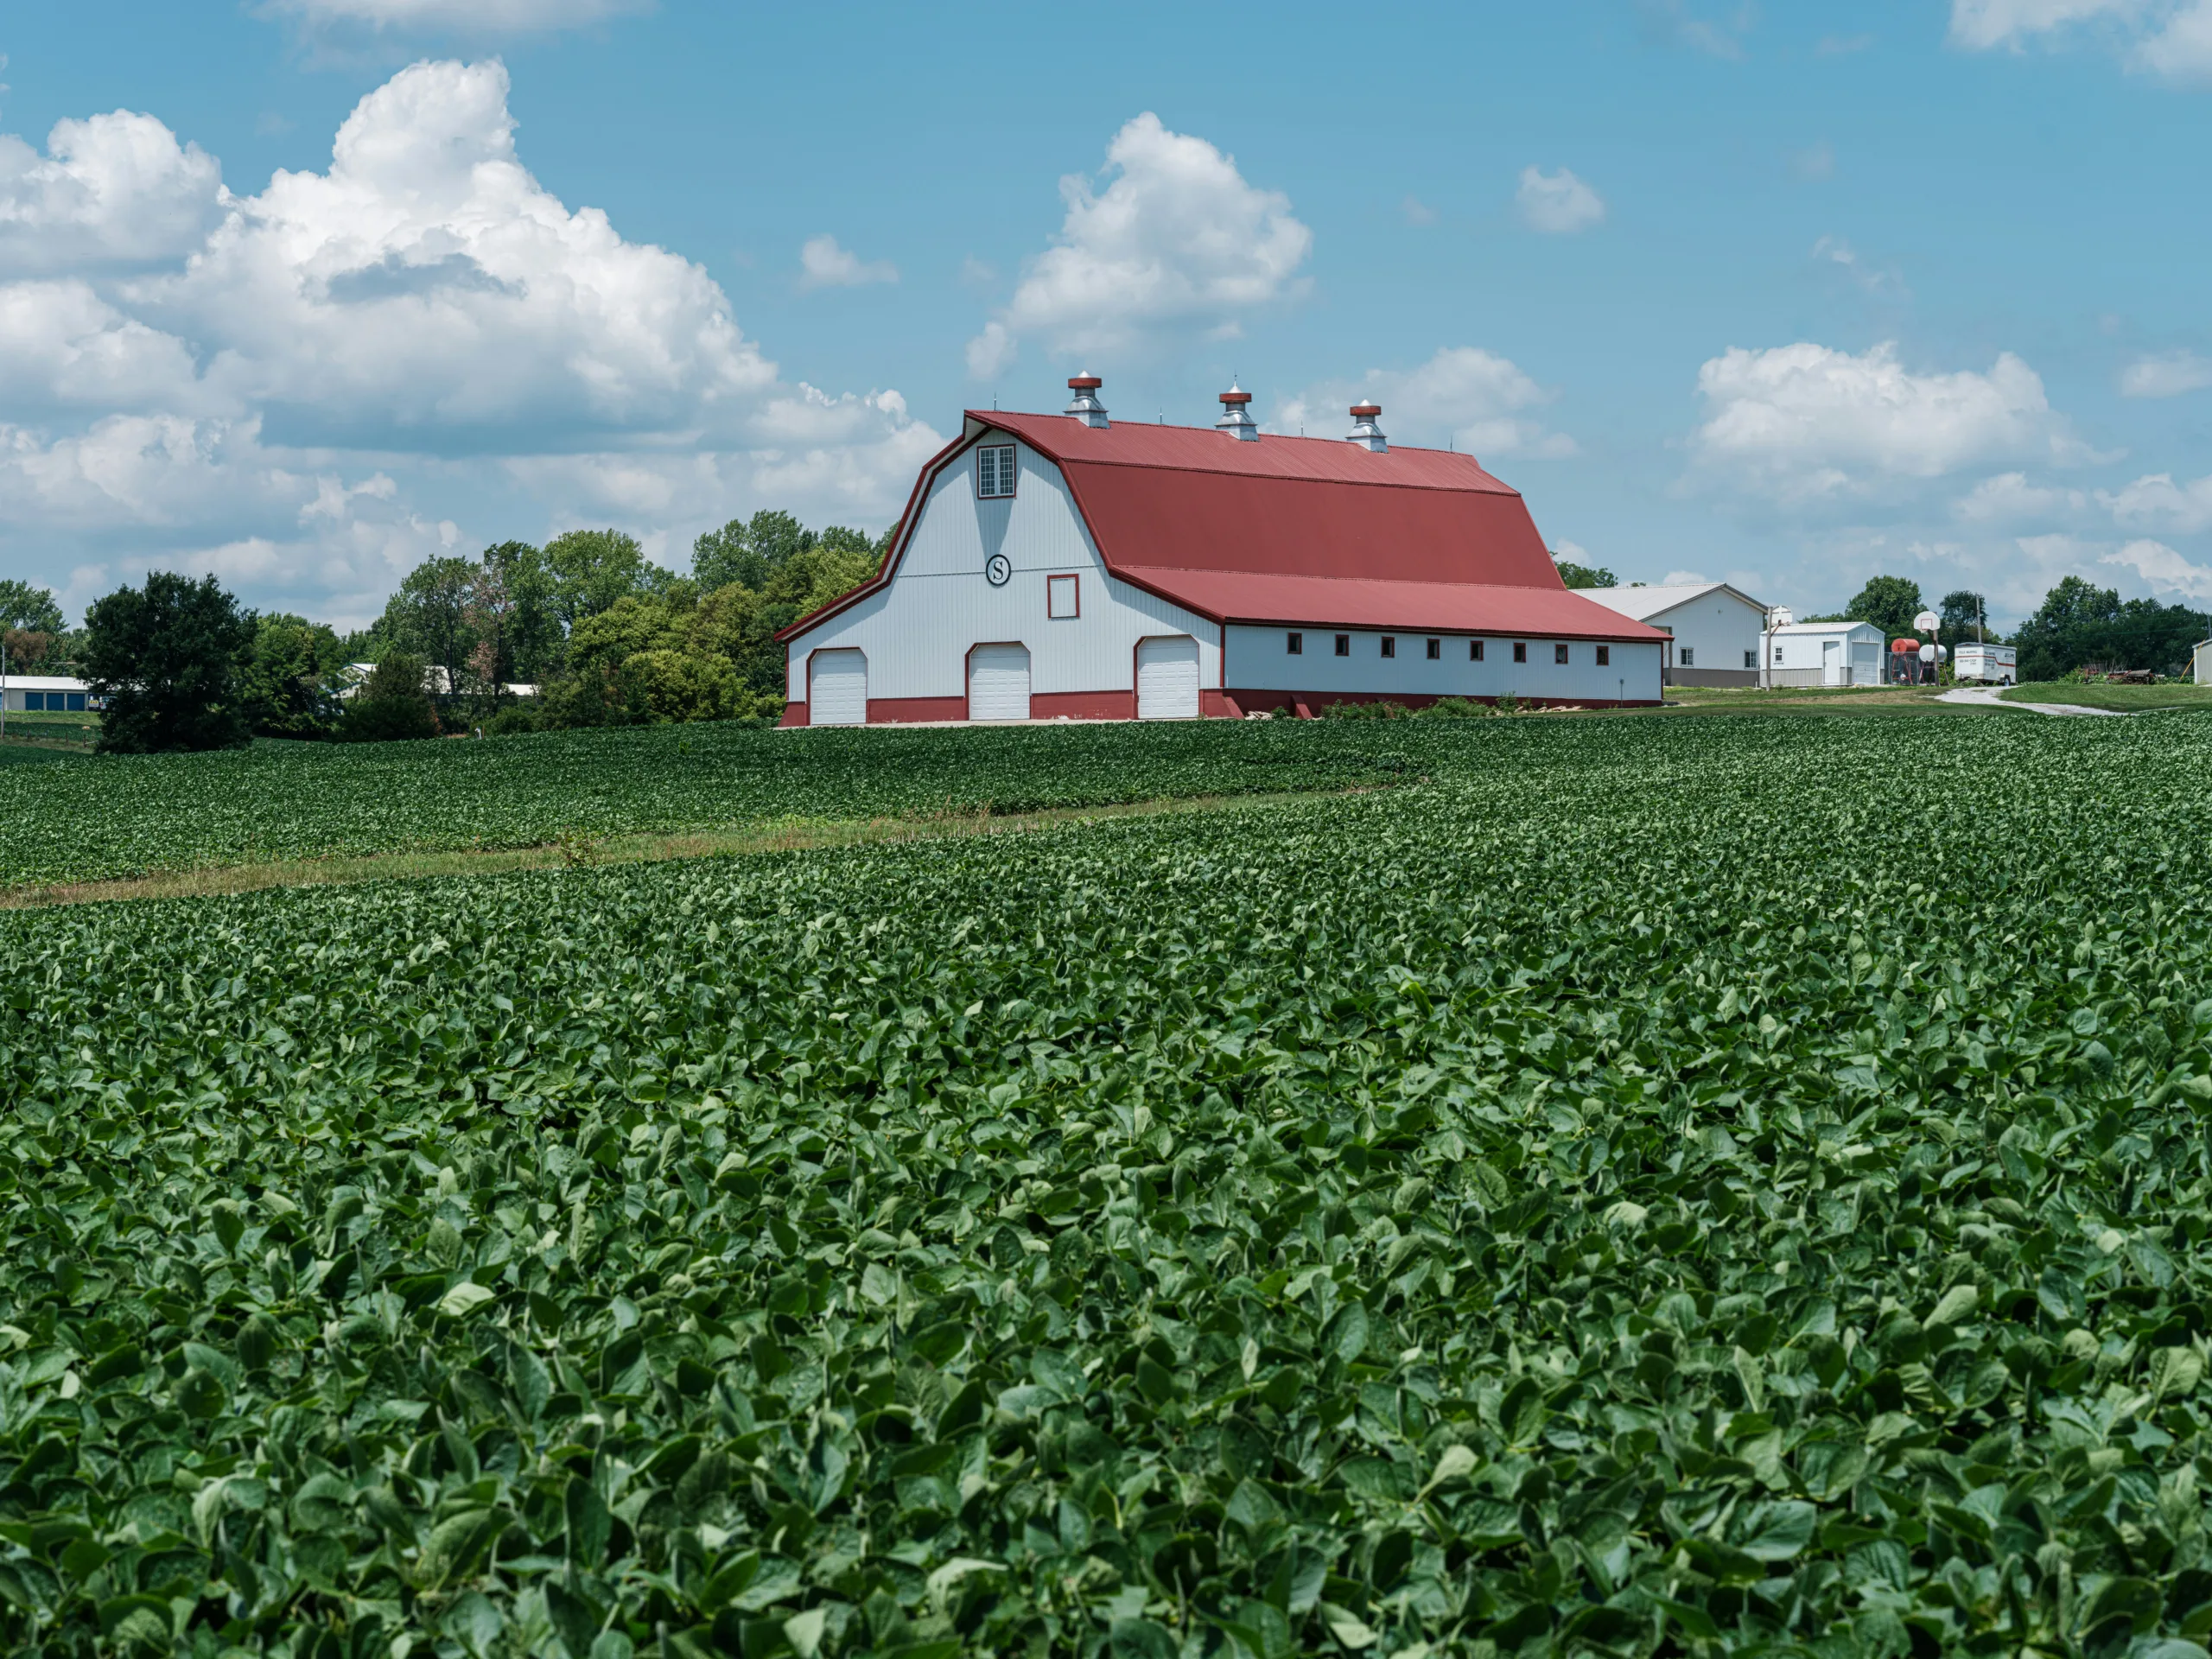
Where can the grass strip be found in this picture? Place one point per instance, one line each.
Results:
(786, 835)
(2120, 699)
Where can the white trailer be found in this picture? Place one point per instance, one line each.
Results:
(1986, 664)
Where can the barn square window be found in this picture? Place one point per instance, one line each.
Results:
(1295, 644)
(1689, 656)
(1435, 651)
(1389, 646)
(1063, 600)
(995, 471)
(1519, 651)
(1343, 644)
(1605, 655)
(1474, 651)
(1559, 655)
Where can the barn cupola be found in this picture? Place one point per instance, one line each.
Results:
(1364, 432)
(1235, 419)
(1085, 405)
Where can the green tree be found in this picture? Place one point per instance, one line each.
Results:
(165, 659)
(1963, 614)
(24, 607)
(393, 705)
(25, 649)
(289, 681)
(750, 550)
(429, 617)
(1890, 603)
(1584, 576)
(512, 615)
(2080, 625)
(592, 568)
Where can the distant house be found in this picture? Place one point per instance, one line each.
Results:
(2200, 663)
(1827, 653)
(47, 693)
(1716, 628)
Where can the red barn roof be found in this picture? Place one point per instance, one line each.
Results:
(1300, 530)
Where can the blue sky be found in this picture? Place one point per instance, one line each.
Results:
(304, 291)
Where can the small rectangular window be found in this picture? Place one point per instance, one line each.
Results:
(1389, 646)
(1435, 651)
(1519, 651)
(1343, 644)
(1750, 659)
(1559, 655)
(1063, 603)
(1295, 643)
(1605, 655)
(1778, 655)
(995, 470)
(1689, 656)
(1474, 651)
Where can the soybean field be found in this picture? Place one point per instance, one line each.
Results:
(1647, 1187)
(113, 816)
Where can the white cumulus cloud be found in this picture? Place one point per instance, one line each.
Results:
(2173, 38)
(1462, 396)
(1177, 241)
(310, 387)
(823, 263)
(477, 17)
(112, 189)
(2155, 502)
(2164, 568)
(2009, 498)
(1558, 204)
(1805, 421)
(427, 281)
(2167, 376)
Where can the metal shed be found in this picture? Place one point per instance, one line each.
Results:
(1826, 653)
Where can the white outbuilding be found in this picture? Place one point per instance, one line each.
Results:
(1826, 653)
(51, 694)
(1063, 566)
(1713, 629)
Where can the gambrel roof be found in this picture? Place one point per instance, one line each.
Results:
(1304, 531)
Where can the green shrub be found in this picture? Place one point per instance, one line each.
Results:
(393, 706)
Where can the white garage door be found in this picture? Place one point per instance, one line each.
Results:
(998, 683)
(1167, 678)
(838, 696)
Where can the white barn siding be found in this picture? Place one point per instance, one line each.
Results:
(1716, 640)
(918, 630)
(1259, 660)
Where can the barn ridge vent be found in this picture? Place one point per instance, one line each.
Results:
(1084, 405)
(1235, 419)
(1364, 432)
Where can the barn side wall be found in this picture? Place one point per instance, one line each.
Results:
(1259, 662)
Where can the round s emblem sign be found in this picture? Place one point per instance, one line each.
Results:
(998, 569)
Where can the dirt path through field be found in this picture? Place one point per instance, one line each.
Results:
(1985, 697)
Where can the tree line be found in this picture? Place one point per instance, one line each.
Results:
(584, 631)
(2078, 627)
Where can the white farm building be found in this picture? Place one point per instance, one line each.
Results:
(1827, 653)
(1712, 629)
(1061, 566)
(52, 694)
